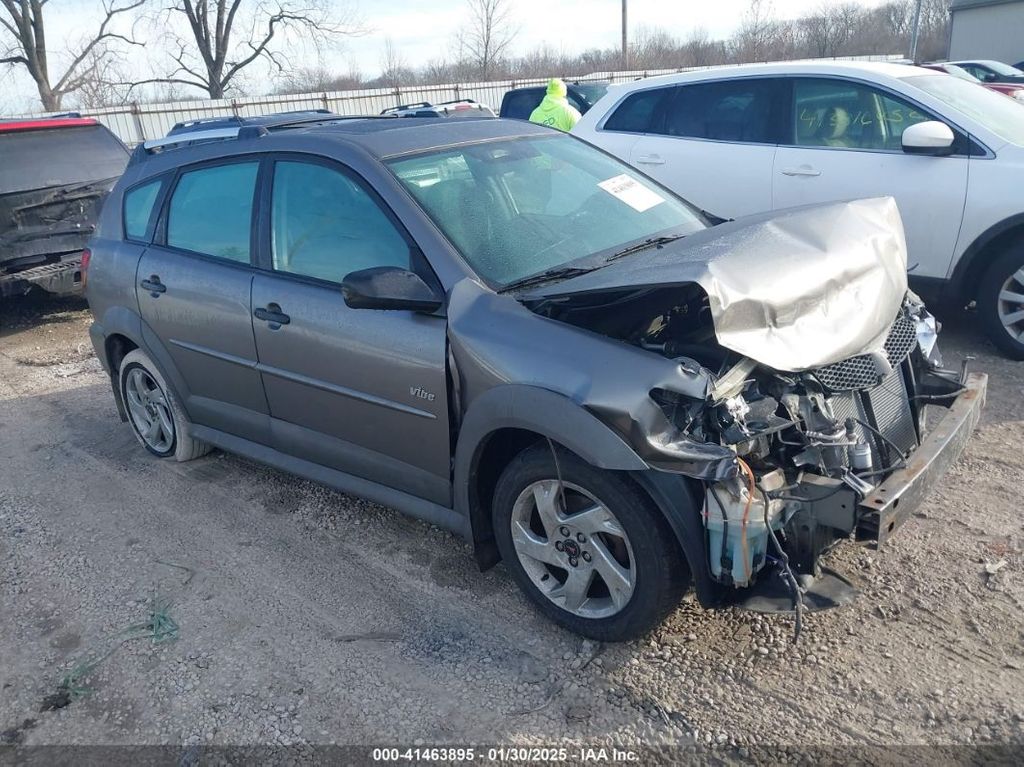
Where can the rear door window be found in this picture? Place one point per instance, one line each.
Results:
(639, 113)
(211, 211)
(738, 110)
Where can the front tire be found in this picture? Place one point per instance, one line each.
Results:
(606, 564)
(154, 413)
(1001, 301)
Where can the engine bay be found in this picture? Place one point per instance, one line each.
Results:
(809, 445)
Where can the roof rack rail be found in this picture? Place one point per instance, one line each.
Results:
(242, 132)
(287, 117)
(194, 137)
(155, 145)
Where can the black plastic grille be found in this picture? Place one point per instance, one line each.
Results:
(862, 372)
(854, 373)
(902, 337)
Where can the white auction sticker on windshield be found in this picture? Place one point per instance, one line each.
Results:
(632, 192)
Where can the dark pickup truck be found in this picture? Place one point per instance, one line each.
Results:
(54, 175)
(520, 102)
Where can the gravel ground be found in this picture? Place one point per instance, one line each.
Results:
(307, 616)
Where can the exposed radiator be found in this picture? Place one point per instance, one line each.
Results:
(887, 408)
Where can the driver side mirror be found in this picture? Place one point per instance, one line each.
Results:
(930, 138)
(389, 287)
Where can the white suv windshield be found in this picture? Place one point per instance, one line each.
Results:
(1001, 115)
(517, 207)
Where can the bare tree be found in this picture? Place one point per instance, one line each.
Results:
(653, 49)
(103, 81)
(226, 36)
(319, 79)
(394, 70)
(23, 41)
(827, 31)
(699, 50)
(488, 34)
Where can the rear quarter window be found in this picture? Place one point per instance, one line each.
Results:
(138, 210)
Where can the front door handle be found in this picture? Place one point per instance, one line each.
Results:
(272, 314)
(650, 159)
(803, 170)
(153, 285)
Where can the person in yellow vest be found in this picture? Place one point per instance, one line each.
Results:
(555, 110)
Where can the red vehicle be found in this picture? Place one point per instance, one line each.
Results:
(1013, 90)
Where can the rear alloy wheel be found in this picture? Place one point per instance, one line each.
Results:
(157, 419)
(595, 555)
(149, 412)
(1001, 302)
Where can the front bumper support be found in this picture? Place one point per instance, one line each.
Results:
(892, 502)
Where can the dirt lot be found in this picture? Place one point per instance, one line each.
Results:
(308, 616)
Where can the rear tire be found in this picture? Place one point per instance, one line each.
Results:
(157, 419)
(625, 552)
(1000, 301)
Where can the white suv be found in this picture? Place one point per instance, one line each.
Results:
(745, 139)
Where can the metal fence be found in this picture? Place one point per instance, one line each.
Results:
(136, 122)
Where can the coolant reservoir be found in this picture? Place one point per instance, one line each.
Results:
(736, 550)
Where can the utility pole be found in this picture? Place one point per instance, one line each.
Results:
(914, 32)
(625, 37)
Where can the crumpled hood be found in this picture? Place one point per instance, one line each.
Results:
(793, 290)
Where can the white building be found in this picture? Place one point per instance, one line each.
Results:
(987, 29)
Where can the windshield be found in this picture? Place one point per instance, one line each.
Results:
(518, 207)
(963, 74)
(1002, 69)
(1002, 116)
(38, 159)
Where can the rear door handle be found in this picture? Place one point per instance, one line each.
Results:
(273, 315)
(650, 159)
(804, 170)
(153, 285)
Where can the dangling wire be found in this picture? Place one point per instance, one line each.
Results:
(794, 586)
(558, 474)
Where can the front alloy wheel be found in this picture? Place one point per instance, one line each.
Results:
(592, 551)
(580, 559)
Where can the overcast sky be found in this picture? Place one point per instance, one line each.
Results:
(423, 30)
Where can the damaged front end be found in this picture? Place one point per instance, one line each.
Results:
(819, 450)
(819, 368)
